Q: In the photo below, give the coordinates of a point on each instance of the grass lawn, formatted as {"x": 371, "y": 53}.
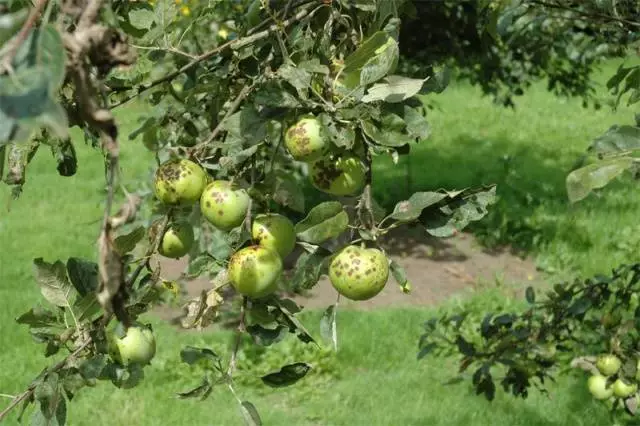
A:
{"x": 375, "y": 378}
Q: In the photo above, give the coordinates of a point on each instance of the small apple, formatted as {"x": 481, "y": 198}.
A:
{"x": 275, "y": 232}
{"x": 179, "y": 182}
{"x": 622, "y": 389}
{"x": 608, "y": 364}
{"x": 597, "y": 385}
{"x": 254, "y": 271}
{"x": 137, "y": 346}
{"x": 341, "y": 175}
{"x": 177, "y": 240}
{"x": 359, "y": 273}
{"x": 306, "y": 140}
{"x": 224, "y": 205}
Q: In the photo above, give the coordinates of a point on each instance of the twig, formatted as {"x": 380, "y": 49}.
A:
{"x": 232, "y": 44}
{"x": 22, "y": 34}
{"x": 236, "y": 344}
{"x": 585, "y": 14}
{"x": 216, "y": 131}
{"x": 27, "y": 393}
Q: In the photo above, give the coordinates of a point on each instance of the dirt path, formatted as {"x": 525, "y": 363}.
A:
{"x": 436, "y": 268}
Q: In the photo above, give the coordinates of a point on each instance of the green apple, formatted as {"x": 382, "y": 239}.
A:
{"x": 359, "y": 273}
{"x": 608, "y": 364}
{"x": 341, "y": 175}
{"x": 137, "y": 346}
{"x": 179, "y": 182}
{"x": 622, "y": 389}
{"x": 177, "y": 240}
{"x": 275, "y": 232}
{"x": 597, "y": 385}
{"x": 224, "y": 205}
{"x": 254, "y": 271}
{"x": 306, "y": 140}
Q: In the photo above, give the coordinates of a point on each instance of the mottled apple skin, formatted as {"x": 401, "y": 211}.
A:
{"x": 179, "y": 182}
{"x": 254, "y": 271}
{"x": 342, "y": 175}
{"x": 274, "y": 231}
{"x": 306, "y": 140}
{"x": 359, "y": 273}
{"x": 224, "y": 205}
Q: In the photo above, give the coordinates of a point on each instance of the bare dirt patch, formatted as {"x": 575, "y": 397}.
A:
{"x": 436, "y": 268}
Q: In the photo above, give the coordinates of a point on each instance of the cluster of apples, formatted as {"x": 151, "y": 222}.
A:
{"x": 607, "y": 383}
{"x": 358, "y": 273}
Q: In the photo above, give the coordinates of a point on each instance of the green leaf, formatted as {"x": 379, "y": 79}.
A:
{"x": 53, "y": 281}
{"x": 308, "y": 270}
{"x": 385, "y": 136}
{"x": 11, "y": 23}
{"x": 342, "y": 136}
{"x": 289, "y": 193}
{"x": 83, "y": 275}
{"x": 409, "y": 210}
{"x": 328, "y": 329}
{"x": 582, "y": 181}
{"x": 325, "y": 221}
{"x": 87, "y": 307}
{"x": 286, "y": 317}
{"x": 530, "y": 295}
{"x": 400, "y": 276}
{"x": 395, "y": 89}
{"x": 202, "y": 356}
{"x": 267, "y": 336}
{"x": 38, "y": 318}
{"x": 373, "y": 60}
{"x": 273, "y": 95}
{"x": 297, "y": 77}
{"x": 51, "y": 401}
{"x": 72, "y": 383}
{"x": 93, "y": 367}
{"x": 288, "y": 375}
{"x": 127, "y": 242}
{"x": 438, "y": 82}
{"x": 52, "y": 56}
{"x": 617, "y": 139}
{"x": 417, "y": 124}
{"x": 250, "y": 414}
{"x": 456, "y": 211}
{"x": 141, "y": 19}
{"x": 201, "y": 392}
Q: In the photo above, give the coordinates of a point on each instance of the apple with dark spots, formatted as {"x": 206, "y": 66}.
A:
{"x": 342, "y": 175}
{"x": 224, "y": 204}
{"x": 275, "y": 232}
{"x": 359, "y": 273}
{"x": 177, "y": 240}
{"x": 179, "y": 182}
{"x": 306, "y": 140}
{"x": 254, "y": 271}
{"x": 137, "y": 346}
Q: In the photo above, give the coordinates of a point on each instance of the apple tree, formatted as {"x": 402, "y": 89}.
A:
{"x": 587, "y": 324}
{"x": 265, "y": 118}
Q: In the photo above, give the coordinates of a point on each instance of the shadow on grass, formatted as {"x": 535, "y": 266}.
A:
{"x": 532, "y": 206}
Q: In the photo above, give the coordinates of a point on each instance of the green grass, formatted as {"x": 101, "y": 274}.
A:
{"x": 375, "y": 379}
{"x": 527, "y": 152}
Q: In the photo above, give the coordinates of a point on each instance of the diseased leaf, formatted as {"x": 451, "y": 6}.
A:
{"x": 395, "y": 89}
{"x": 297, "y": 77}
{"x": 250, "y": 414}
{"x": 409, "y": 210}
{"x": 582, "y": 181}
{"x": 400, "y": 276}
{"x": 325, "y": 221}
{"x": 53, "y": 281}
{"x": 38, "y": 318}
{"x": 288, "y": 375}
{"x": 617, "y": 139}
{"x": 288, "y": 193}
{"x": 267, "y": 336}
{"x": 328, "y": 329}
{"x": 127, "y": 242}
